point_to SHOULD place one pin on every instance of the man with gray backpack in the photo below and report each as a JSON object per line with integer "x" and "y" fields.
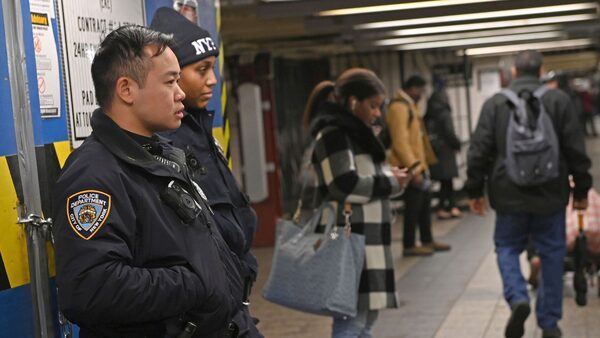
{"x": 526, "y": 145}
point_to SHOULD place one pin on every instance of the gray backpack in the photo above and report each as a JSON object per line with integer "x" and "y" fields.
{"x": 532, "y": 150}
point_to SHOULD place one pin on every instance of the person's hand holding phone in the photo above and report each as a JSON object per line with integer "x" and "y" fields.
{"x": 402, "y": 176}
{"x": 417, "y": 179}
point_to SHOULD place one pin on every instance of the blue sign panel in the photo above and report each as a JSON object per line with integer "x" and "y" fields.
{"x": 50, "y": 129}
{"x": 8, "y": 144}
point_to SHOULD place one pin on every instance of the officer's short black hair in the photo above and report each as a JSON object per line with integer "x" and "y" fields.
{"x": 121, "y": 53}
{"x": 414, "y": 81}
{"x": 529, "y": 62}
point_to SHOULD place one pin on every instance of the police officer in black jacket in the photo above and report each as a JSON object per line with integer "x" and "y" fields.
{"x": 197, "y": 52}
{"x": 137, "y": 250}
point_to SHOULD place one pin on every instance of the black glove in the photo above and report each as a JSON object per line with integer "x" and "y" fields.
{"x": 246, "y": 325}
{"x": 213, "y": 314}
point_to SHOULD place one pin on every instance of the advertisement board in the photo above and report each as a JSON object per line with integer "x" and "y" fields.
{"x": 83, "y": 28}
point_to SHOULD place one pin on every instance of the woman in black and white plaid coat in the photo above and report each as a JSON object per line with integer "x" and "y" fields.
{"x": 350, "y": 164}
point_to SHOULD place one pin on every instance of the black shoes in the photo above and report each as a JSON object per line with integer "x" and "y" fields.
{"x": 515, "y": 328}
{"x": 554, "y": 333}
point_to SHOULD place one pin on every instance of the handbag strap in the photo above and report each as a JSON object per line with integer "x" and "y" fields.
{"x": 313, "y": 222}
{"x": 347, "y": 214}
{"x": 306, "y": 166}
{"x": 347, "y": 219}
{"x": 297, "y": 213}
{"x": 296, "y": 217}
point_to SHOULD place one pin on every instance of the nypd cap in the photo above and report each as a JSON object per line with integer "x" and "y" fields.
{"x": 192, "y": 43}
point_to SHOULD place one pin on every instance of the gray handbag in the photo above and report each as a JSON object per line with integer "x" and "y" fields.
{"x": 317, "y": 273}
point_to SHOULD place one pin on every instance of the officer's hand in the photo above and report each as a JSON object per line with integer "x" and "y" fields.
{"x": 580, "y": 204}
{"x": 246, "y": 324}
{"x": 478, "y": 206}
{"x": 213, "y": 313}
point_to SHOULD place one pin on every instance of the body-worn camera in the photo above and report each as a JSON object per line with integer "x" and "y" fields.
{"x": 181, "y": 201}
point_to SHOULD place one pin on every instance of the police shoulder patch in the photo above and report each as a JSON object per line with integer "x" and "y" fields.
{"x": 87, "y": 211}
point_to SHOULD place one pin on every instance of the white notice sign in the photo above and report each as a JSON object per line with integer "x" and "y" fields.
{"x": 83, "y": 28}
{"x": 46, "y": 57}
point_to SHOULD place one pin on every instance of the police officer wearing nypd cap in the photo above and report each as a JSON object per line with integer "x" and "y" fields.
{"x": 197, "y": 52}
{"x": 137, "y": 250}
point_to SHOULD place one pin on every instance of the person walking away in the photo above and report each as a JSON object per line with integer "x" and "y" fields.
{"x": 529, "y": 197}
{"x": 197, "y": 52}
{"x": 409, "y": 145}
{"x": 351, "y": 169}
{"x": 445, "y": 144}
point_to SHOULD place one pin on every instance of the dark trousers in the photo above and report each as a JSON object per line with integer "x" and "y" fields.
{"x": 446, "y": 195}
{"x": 417, "y": 212}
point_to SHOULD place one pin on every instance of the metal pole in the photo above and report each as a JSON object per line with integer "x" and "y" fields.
{"x": 468, "y": 92}
{"x": 31, "y": 204}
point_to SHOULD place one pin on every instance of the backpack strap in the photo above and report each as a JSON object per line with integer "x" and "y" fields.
{"x": 540, "y": 92}
{"x": 520, "y": 105}
{"x": 511, "y": 96}
{"x": 515, "y": 99}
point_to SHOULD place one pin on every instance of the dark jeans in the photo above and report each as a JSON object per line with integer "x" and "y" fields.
{"x": 417, "y": 205}
{"x": 446, "y": 195}
{"x": 513, "y": 231}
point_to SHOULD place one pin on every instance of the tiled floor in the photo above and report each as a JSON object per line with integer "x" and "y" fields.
{"x": 450, "y": 295}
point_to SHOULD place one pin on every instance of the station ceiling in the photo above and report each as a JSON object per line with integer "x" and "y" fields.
{"x": 305, "y": 28}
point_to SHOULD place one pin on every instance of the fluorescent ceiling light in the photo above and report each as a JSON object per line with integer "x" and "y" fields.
{"x": 537, "y": 46}
{"x": 399, "y": 7}
{"x": 479, "y": 16}
{"x": 493, "y": 24}
{"x": 481, "y": 40}
{"x": 443, "y": 37}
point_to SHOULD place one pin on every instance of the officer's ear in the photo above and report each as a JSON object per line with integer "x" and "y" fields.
{"x": 126, "y": 89}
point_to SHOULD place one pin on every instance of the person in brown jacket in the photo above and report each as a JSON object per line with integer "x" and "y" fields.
{"x": 409, "y": 145}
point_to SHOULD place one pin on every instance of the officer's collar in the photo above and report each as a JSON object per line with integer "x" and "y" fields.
{"x": 140, "y": 139}
{"x": 200, "y": 117}
{"x": 151, "y": 144}
{"x": 199, "y": 113}
{"x": 125, "y": 147}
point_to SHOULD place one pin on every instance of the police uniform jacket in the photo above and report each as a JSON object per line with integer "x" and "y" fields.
{"x": 136, "y": 245}
{"x": 233, "y": 213}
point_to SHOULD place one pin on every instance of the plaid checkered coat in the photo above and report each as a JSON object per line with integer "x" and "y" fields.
{"x": 349, "y": 161}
